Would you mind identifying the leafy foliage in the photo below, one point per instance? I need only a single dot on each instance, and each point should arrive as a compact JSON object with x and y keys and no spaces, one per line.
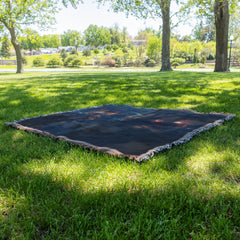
{"x":5,"y":49}
{"x":24,"y":60}
{"x":31,"y":40}
{"x":68,"y":60}
{"x":54,"y":62}
{"x":96,"y":50}
{"x":74,"y":51}
{"x":109,"y":61}
{"x":150,"y":62}
{"x":73,"y":61}
{"x":38,"y":62}
{"x":97,"y":36}
{"x":86,"y":52}
{"x":63,"y":54}
{"x":175,"y":64}
{"x":76,"y":62}
{"x":19,"y":13}
{"x":154,"y":48}
{"x":50,"y":41}
{"x":71,"y":38}
{"x":178,"y":60}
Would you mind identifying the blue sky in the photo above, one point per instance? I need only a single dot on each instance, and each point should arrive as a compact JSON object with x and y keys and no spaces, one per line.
{"x":89,"y":13}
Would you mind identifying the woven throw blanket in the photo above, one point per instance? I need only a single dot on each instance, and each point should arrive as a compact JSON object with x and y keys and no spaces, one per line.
{"x":122,"y":130}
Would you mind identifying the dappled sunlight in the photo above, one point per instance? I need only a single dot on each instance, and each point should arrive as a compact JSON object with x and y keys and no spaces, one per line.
{"x":69,"y":174}
{"x":5,"y":206}
{"x":82,"y":176}
{"x":12,"y":205}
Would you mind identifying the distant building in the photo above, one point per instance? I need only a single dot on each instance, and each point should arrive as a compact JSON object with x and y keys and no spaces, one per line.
{"x":137,"y":43}
{"x":67,"y":48}
{"x":33,"y":52}
{"x":48,"y":50}
{"x":82,"y":48}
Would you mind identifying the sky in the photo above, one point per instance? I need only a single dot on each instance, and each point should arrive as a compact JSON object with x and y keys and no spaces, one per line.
{"x":88,"y":13}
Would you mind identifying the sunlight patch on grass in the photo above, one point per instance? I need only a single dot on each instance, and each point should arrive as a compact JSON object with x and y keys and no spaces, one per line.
{"x":5,"y":207}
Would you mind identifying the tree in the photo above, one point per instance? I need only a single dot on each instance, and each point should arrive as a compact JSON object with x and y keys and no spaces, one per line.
{"x":144,"y":35}
{"x":15,"y":15}
{"x":124,"y":35}
{"x":115,"y":35}
{"x":51,"y":41}
{"x":154,"y":48}
{"x":97,"y":36}
{"x":72,"y":38}
{"x":234,"y":25}
{"x":165,"y":9}
{"x":205,"y":32}
{"x":144,"y":9}
{"x":221,"y":10}
{"x":5,"y":50}
{"x":31,"y":41}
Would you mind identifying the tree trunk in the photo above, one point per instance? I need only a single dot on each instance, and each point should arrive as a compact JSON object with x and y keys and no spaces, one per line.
{"x":221,"y":12}
{"x":165,"y":8}
{"x":17,"y":48}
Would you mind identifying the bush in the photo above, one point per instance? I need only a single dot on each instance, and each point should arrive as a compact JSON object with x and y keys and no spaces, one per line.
{"x":54,"y":62}
{"x":126,"y":59}
{"x":130,"y":63}
{"x":24,"y":60}
{"x":63,"y":54}
{"x":131,"y":46}
{"x":119,"y":60}
{"x":138,"y":62}
{"x":178,"y":60}
{"x":68,"y":60}
{"x":115,"y":46}
{"x":150,"y":62}
{"x":109,"y":61}
{"x":109,"y":48}
{"x":125,"y":50}
{"x":203,"y":59}
{"x":76,"y":62}
{"x":180,"y":54}
{"x":97,"y":62}
{"x":74,"y":51}
{"x":86,"y":52}
{"x":118,"y":52}
{"x":73,"y":61}
{"x":105,"y":52}
{"x":96,"y":50}
{"x":175,"y":64}
{"x":38,"y":62}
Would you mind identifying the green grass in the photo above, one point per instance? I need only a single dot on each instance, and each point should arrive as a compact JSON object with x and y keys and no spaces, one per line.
{"x":52,"y":190}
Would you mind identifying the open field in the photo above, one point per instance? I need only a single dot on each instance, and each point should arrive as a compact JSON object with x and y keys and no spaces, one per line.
{"x":52,"y":190}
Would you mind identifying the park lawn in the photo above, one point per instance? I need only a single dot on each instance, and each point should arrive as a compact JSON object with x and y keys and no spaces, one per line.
{"x":52,"y":190}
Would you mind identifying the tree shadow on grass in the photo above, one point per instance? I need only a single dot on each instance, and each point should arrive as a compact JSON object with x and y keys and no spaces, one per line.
{"x":53,"y":93}
{"x":37,"y":95}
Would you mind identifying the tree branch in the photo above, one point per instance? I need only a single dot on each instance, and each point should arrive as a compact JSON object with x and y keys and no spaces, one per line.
{"x":5,"y":23}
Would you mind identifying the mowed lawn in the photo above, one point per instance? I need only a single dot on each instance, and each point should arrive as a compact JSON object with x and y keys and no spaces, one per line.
{"x":52,"y":190}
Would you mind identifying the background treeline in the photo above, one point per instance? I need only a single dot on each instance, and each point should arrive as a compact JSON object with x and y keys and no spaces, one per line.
{"x":115,"y":47}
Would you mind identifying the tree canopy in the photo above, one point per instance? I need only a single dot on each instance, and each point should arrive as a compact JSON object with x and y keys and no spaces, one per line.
{"x":145,"y":9}
{"x":71,"y":38}
{"x":17,"y":15}
{"x":97,"y":36}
